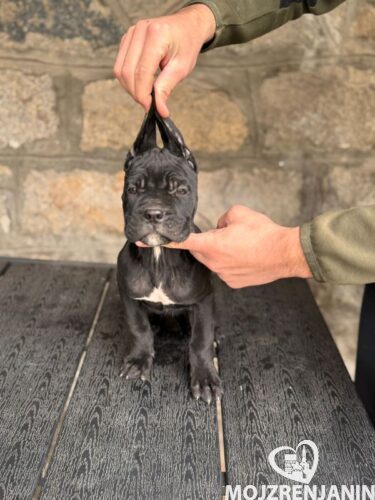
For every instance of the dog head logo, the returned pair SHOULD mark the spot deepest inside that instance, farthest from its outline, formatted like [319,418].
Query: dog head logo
[160,191]
[297,464]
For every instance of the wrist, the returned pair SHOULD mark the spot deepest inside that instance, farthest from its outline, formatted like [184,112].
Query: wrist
[203,19]
[295,261]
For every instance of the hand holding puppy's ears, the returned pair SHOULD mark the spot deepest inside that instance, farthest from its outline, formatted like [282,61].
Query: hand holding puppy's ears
[170,135]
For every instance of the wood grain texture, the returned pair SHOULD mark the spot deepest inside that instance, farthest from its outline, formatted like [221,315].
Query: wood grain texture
[284,382]
[132,439]
[45,314]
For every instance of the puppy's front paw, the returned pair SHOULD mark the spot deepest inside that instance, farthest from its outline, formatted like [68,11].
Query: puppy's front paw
[137,366]
[205,383]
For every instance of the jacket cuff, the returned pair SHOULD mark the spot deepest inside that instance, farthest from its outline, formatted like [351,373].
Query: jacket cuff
[307,242]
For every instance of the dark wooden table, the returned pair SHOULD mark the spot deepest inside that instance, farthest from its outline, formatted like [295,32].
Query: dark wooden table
[71,428]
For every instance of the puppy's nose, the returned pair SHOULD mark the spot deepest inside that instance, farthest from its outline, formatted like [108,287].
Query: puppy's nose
[154,215]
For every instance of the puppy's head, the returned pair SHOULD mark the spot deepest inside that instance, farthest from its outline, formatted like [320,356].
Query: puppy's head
[160,191]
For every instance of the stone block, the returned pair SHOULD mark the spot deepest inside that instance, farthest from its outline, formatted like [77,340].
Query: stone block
[209,120]
[349,186]
[74,202]
[6,202]
[364,24]
[275,192]
[27,108]
[111,118]
[6,176]
[327,109]
[6,199]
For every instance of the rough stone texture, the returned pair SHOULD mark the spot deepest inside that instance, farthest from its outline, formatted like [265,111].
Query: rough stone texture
[89,20]
[364,24]
[111,118]
[273,192]
[5,212]
[212,122]
[345,187]
[72,202]
[330,108]
[6,176]
[6,200]
[27,111]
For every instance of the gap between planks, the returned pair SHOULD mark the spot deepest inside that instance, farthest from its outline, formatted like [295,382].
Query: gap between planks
[56,434]
[220,429]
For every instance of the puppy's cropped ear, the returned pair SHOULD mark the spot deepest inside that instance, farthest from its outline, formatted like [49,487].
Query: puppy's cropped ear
[146,138]
[173,140]
[172,137]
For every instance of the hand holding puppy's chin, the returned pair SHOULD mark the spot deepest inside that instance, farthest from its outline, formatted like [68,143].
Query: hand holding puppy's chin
[156,240]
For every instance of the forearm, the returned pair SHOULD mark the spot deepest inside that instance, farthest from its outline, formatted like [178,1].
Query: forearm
[339,246]
[239,22]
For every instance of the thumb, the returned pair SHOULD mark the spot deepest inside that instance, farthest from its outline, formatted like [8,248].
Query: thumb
[170,76]
[194,242]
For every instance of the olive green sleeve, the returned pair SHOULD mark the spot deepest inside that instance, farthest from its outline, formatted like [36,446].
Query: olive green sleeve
[243,20]
[340,246]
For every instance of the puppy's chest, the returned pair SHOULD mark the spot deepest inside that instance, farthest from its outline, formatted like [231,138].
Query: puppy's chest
[154,285]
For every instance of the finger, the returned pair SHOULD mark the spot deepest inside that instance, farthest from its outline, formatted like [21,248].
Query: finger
[172,74]
[154,51]
[195,242]
[125,43]
[132,56]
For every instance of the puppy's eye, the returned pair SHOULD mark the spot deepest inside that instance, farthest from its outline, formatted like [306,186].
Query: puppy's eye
[132,190]
[182,190]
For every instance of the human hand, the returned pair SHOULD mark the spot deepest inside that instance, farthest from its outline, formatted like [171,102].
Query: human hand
[170,42]
[248,248]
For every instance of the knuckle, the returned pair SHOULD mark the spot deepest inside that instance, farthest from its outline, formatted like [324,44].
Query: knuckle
[157,27]
[181,69]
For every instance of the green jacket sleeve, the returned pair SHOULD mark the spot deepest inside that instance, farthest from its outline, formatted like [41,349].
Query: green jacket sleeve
[340,246]
[243,20]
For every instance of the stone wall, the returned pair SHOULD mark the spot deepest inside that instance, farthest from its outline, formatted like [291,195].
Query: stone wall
[284,124]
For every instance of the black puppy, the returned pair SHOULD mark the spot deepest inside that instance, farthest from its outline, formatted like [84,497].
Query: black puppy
[159,203]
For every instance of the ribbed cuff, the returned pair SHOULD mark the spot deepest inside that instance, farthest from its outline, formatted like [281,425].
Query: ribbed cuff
[308,250]
[218,19]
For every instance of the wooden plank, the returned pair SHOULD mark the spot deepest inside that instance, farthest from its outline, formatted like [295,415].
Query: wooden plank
[284,382]
[45,315]
[131,439]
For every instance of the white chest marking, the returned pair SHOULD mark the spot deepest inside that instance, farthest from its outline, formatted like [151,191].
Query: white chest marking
[157,295]
[157,252]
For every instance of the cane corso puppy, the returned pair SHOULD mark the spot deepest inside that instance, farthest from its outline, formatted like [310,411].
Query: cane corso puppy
[159,204]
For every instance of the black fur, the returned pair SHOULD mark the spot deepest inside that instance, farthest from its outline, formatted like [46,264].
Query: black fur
[159,203]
